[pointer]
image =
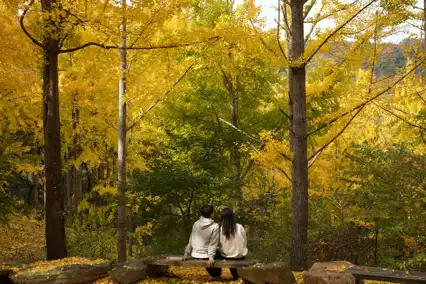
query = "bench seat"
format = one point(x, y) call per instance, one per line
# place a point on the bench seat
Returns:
point(177, 261)
point(386, 274)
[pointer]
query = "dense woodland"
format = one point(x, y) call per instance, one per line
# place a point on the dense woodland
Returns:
point(119, 120)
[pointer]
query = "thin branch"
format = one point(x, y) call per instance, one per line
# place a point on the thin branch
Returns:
point(337, 135)
point(314, 24)
point(421, 97)
point(361, 105)
point(308, 10)
point(399, 117)
point(21, 22)
point(241, 131)
point(331, 13)
point(283, 172)
point(422, 136)
point(160, 98)
point(261, 39)
point(338, 29)
point(216, 38)
point(110, 124)
point(284, 11)
point(314, 159)
point(146, 26)
point(278, 31)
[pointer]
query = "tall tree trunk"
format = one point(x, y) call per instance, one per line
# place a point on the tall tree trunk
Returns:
point(36, 190)
point(424, 26)
point(297, 93)
point(236, 155)
point(78, 188)
point(121, 187)
point(55, 227)
point(68, 183)
point(101, 171)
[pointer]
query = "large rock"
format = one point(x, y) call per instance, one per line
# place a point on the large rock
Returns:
point(329, 273)
point(135, 270)
point(63, 274)
point(271, 273)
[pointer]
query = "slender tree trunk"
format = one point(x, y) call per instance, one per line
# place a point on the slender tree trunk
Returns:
point(131, 230)
point(376, 240)
point(36, 189)
point(297, 93)
point(121, 190)
point(424, 25)
point(55, 227)
point(236, 155)
point(101, 171)
point(68, 202)
point(78, 188)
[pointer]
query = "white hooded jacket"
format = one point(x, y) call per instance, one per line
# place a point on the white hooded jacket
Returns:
point(204, 239)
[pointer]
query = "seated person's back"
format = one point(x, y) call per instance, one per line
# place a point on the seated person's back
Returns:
point(204, 238)
point(232, 236)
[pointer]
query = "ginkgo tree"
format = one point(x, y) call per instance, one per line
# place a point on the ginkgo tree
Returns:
point(354, 22)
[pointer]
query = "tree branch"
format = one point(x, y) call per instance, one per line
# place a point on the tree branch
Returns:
point(261, 39)
point(335, 137)
point(283, 172)
point(399, 117)
point(421, 97)
point(241, 131)
point(337, 30)
point(308, 8)
point(368, 100)
point(160, 98)
point(278, 31)
point(24, 29)
point(216, 38)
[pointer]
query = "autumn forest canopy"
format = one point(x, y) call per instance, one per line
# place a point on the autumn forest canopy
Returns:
point(120, 119)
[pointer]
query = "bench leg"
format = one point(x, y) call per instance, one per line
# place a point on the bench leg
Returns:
point(359, 281)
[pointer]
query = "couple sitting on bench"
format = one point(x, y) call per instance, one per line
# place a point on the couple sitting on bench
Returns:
point(209, 240)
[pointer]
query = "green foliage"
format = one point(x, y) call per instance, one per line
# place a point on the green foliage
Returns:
point(92, 233)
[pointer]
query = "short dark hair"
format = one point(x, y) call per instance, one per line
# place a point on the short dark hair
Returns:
point(207, 211)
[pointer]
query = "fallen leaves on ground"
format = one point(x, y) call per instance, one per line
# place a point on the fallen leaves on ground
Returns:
point(182, 275)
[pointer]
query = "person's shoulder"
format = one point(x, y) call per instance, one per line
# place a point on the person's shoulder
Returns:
point(240, 227)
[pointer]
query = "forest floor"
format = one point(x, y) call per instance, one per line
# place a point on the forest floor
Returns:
point(22, 241)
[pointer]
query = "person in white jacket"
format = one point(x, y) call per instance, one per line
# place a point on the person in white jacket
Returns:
point(233, 239)
point(204, 240)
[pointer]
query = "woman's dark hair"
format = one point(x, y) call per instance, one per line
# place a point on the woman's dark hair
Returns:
point(227, 223)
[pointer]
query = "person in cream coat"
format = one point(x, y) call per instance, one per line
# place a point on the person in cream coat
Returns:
point(232, 238)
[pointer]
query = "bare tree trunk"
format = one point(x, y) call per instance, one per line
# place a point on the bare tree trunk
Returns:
point(424, 26)
point(236, 155)
point(376, 240)
point(36, 190)
point(121, 187)
point(235, 149)
point(131, 230)
point(297, 93)
point(78, 188)
point(55, 227)
point(101, 171)
point(68, 202)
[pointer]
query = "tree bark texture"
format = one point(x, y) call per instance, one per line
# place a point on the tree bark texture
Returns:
point(121, 187)
point(55, 226)
point(297, 93)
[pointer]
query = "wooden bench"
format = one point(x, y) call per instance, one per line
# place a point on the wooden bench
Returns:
point(384, 274)
point(177, 261)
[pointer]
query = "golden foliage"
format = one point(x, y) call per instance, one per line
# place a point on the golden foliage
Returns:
point(21, 240)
